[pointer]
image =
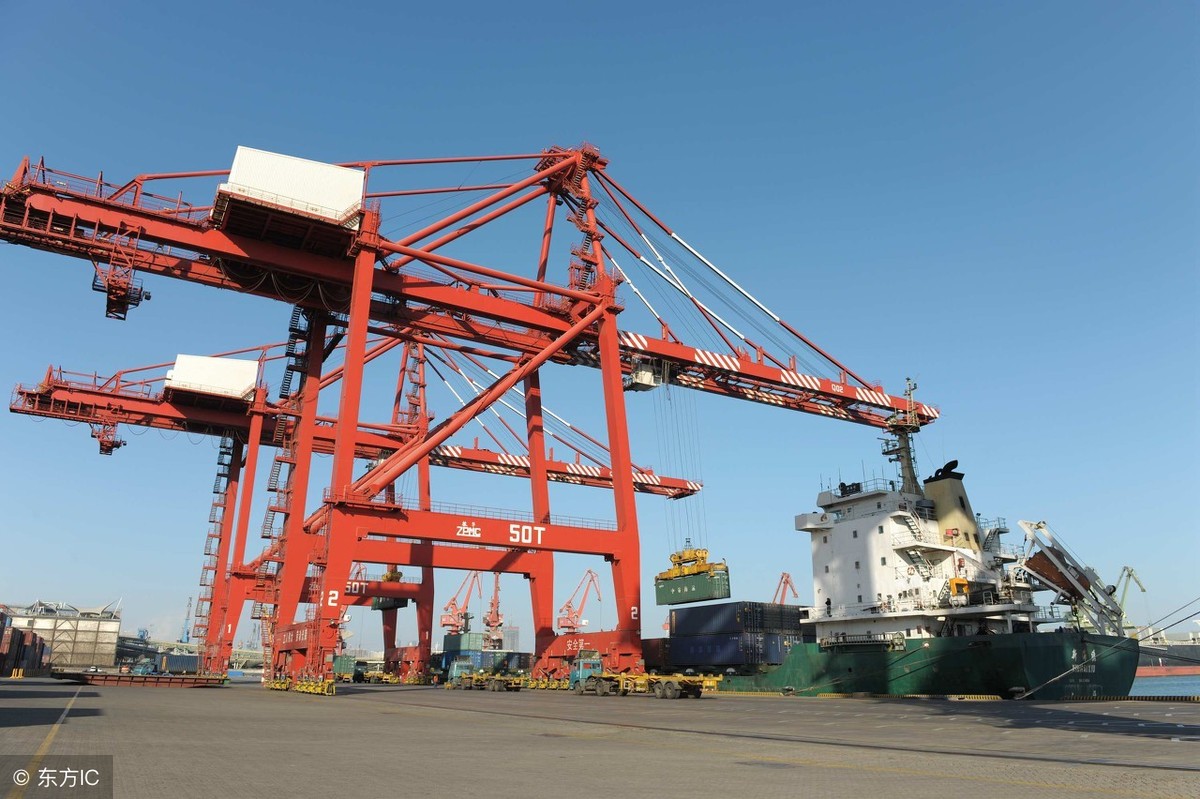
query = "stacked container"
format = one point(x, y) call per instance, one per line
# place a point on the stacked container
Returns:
point(491, 660)
point(736, 635)
point(22, 650)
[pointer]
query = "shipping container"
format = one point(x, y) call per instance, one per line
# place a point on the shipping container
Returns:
point(387, 603)
point(737, 617)
point(656, 654)
point(178, 664)
point(474, 657)
point(343, 664)
point(726, 650)
point(489, 660)
point(691, 588)
point(467, 642)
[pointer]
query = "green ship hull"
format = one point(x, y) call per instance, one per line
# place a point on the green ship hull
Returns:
point(1039, 666)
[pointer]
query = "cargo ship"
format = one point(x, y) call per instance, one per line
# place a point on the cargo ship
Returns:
point(1164, 657)
point(915, 594)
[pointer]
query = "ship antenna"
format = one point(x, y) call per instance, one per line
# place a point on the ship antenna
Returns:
point(902, 425)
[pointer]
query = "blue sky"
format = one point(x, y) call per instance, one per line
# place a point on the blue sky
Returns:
point(999, 200)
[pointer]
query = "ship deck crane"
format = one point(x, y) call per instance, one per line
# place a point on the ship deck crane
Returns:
point(1074, 583)
point(455, 617)
point(344, 276)
point(785, 587)
point(569, 615)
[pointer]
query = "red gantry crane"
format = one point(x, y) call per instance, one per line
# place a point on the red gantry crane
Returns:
point(493, 620)
point(312, 235)
point(455, 617)
point(785, 587)
point(570, 617)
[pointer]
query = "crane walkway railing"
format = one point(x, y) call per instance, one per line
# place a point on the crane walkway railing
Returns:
point(479, 511)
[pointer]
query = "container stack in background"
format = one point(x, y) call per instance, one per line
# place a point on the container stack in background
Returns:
point(733, 635)
point(469, 647)
point(23, 653)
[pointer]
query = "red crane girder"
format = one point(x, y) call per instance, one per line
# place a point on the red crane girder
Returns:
point(102, 403)
point(79, 217)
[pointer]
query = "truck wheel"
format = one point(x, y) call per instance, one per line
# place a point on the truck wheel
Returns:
point(577, 688)
point(601, 688)
point(658, 690)
point(670, 690)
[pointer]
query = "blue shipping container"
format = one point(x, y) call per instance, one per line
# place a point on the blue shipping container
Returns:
point(736, 617)
point(719, 650)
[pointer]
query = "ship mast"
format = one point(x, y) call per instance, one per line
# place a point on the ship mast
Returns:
point(899, 449)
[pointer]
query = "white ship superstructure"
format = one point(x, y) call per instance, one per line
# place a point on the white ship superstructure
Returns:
point(900, 559)
point(890, 562)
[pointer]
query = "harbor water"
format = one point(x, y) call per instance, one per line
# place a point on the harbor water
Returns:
point(1166, 686)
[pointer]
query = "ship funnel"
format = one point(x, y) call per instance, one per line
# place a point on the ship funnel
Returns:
point(956, 520)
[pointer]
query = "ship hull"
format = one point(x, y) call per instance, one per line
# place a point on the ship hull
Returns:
point(1168, 671)
point(1007, 666)
point(1170, 660)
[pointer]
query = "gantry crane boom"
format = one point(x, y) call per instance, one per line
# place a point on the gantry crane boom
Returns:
point(70, 215)
point(107, 403)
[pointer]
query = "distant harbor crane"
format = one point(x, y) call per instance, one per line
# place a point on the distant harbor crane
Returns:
point(781, 591)
point(187, 617)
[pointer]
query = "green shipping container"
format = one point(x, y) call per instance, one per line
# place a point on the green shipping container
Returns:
point(343, 664)
point(692, 588)
point(387, 603)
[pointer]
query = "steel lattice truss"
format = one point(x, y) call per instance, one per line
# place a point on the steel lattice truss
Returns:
point(359, 290)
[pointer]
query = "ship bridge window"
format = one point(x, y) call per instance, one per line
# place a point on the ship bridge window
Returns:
point(962, 502)
point(855, 533)
point(856, 564)
point(881, 529)
point(827, 570)
point(824, 539)
point(883, 561)
point(878, 506)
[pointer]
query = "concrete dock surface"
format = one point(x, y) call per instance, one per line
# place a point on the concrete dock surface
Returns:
point(416, 741)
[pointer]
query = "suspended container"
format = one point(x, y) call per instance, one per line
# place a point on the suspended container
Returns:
point(691, 578)
point(466, 642)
